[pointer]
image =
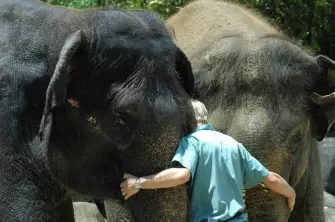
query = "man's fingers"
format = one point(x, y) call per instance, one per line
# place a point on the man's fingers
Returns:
point(127, 196)
point(291, 203)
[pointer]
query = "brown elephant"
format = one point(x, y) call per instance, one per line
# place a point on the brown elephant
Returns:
point(266, 91)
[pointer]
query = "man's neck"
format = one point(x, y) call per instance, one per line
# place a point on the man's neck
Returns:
point(197, 124)
point(200, 122)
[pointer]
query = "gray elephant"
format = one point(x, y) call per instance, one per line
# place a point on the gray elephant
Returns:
point(86, 95)
point(267, 92)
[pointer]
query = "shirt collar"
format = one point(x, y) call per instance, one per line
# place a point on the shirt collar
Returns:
point(204, 127)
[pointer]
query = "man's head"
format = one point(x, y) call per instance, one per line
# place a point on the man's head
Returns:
point(200, 112)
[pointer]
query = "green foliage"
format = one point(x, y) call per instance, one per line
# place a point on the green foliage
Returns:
point(74, 3)
point(305, 20)
point(163, 7)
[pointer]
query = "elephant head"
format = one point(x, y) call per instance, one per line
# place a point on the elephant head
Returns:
point(275, 100)
point(277, 107)
point(117, 100)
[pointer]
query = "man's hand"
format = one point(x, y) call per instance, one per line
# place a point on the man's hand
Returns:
point(279, 185)
point(128, 188)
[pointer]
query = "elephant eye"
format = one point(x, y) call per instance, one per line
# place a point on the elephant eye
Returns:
point(296, 141)
point(120, 121)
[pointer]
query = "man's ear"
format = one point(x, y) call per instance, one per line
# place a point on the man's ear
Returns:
point(56, 91)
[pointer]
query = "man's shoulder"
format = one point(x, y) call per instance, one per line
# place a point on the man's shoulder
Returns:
point(228, 139)
point(190, 137)
point(188, 140)
point(229, 143)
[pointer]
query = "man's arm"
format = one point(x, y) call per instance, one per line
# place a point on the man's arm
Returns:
point(165, 179)
point(186, 156)
point(279, 185)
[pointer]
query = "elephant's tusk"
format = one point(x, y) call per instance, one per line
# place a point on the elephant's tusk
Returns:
point(323, 100)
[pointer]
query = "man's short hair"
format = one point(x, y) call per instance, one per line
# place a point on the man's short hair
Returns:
point(200, 111)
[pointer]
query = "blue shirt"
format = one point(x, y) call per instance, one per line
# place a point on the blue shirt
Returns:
point(221, 168)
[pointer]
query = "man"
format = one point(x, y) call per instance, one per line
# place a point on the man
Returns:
point(218, 168)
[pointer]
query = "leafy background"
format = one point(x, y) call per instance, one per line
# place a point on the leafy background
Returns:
point(310, 21)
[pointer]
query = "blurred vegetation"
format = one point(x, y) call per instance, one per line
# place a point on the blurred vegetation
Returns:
point(162, 7)
point(311, 21)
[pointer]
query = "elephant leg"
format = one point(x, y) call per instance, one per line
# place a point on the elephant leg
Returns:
point(309, 205)
point(117, 211)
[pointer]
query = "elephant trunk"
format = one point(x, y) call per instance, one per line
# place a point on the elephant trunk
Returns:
point(156, 140)
point(254, 129)
point(263, 205)
point(152, 151)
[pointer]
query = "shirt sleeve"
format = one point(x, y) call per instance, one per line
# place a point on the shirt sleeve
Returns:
point(187, 154)
point(254, 171)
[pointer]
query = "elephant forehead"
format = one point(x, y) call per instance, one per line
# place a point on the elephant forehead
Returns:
point(243, 58)
point(266, 61)
point(250, 70)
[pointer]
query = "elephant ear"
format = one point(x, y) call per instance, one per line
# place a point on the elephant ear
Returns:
point(184, 68)
point(323, 98)
point(56, 91)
